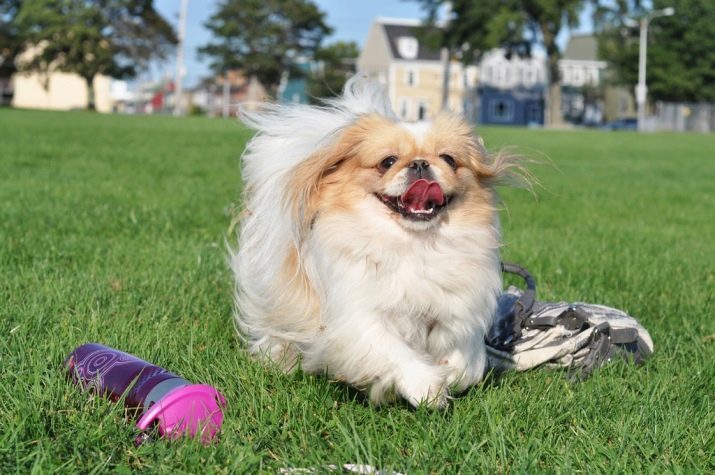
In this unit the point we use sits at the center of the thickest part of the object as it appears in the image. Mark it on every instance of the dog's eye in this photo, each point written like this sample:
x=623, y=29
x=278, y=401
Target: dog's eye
x=387, y=162
x=449, y=160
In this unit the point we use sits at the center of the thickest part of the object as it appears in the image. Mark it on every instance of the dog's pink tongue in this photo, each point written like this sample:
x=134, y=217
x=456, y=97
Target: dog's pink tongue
x=421, y=193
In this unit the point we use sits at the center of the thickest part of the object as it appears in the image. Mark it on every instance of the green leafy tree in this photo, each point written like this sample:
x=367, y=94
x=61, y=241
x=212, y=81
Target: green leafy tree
x=263, y=37
x=336, y=64
x=475, y=27
x=10, y=37
x=90, y=37
x=681, y=48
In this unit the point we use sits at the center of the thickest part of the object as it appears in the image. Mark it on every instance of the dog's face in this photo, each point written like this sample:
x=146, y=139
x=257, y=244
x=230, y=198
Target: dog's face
x=413, y=172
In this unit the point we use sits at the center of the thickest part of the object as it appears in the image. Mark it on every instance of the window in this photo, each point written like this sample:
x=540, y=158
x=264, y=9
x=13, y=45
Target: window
x=533, y=113
x=422, y=111
x=577, y=75
x=407, y=47
x=411, y=77
x=501, y=110
x=404, y=108
x=529, y=76
x=500, y=75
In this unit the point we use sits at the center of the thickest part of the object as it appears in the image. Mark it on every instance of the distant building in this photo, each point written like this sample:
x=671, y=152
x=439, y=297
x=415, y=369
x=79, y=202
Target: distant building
x=294, y=88
x=59, y=91
x=586, y=95
x=619, y=103
x=414, y=73
x=582, y=85
x=579, y=66
x=215, y=100
x=511, y=90
x=124, y=99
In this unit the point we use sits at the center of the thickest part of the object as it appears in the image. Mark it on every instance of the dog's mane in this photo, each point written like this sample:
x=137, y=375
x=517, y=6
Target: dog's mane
x=287, y=135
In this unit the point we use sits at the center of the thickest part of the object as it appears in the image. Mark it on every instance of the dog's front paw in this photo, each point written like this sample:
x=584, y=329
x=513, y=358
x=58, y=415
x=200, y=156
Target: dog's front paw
x=464, y=369
x=425, y=385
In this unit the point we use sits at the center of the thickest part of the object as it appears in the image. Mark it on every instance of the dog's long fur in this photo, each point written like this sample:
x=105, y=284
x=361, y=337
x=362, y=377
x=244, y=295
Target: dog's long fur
x=330, y=278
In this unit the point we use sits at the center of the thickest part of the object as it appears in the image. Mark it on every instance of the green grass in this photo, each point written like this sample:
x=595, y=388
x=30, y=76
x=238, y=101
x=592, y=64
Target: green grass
x=112, y=230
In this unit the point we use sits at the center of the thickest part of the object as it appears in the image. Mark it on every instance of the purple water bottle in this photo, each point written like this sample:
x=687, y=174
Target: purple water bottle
x=161, y=398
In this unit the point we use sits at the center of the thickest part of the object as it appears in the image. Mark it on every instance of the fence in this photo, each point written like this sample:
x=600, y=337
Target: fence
x=683, y=117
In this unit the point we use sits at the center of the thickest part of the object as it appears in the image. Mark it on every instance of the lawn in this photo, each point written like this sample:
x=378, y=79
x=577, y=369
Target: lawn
x=113, y=229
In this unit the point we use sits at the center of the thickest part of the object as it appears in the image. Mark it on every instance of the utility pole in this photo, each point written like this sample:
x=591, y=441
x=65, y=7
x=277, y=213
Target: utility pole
x=641, y=88
x=179, y=75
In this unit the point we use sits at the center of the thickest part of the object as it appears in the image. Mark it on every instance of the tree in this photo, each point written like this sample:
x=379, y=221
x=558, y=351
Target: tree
x=263, y=37
x=475, y=27
x=10, y=38
x=681, y=48
x=91, y=37
x=336, y=65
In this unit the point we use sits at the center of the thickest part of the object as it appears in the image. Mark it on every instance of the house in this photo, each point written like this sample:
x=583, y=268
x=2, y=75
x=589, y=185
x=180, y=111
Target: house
x=59, y=91
x=414, y=73
x=222, y=94
x=619, y=103
x=586, y=95
x=511, y=89
x=294, y=88
x=582, y=85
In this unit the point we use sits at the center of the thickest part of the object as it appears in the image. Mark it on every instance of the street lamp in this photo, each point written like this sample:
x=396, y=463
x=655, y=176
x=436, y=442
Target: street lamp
x=641, y=88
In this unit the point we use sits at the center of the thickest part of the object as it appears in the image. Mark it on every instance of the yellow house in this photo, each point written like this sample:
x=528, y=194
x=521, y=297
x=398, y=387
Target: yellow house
x=414, y=73
x=64, y=91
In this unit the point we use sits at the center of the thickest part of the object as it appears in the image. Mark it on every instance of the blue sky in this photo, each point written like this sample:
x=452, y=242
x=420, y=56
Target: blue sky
x=351, y=20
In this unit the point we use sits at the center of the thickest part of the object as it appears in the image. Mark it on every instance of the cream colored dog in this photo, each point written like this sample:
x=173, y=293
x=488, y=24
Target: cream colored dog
x=369, y=247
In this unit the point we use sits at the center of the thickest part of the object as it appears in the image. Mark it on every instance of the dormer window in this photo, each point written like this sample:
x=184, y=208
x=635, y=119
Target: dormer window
x=407, y=46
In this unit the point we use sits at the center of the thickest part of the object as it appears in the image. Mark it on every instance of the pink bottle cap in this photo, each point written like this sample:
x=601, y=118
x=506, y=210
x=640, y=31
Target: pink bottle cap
x=188, y=410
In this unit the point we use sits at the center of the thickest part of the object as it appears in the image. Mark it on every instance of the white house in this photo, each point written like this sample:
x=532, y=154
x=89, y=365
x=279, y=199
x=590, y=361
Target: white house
x=581, y=80
x=579, y=66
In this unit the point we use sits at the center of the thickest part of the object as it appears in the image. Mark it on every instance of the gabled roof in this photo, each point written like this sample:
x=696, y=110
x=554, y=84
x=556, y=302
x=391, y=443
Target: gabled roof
x=395, y=29
x=582, y=48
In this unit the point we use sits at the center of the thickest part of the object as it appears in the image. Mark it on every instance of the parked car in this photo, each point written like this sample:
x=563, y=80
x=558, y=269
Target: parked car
x=629, y=123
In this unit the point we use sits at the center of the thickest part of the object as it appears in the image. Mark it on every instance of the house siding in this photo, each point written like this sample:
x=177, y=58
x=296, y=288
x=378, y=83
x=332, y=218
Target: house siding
x=64, y=91
x=511, y=107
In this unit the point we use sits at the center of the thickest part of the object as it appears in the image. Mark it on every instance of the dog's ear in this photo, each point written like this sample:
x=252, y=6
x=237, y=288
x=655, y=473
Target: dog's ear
x=304, y=183
x=502, y=167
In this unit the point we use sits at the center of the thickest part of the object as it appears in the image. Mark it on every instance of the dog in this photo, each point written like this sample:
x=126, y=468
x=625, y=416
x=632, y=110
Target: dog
x=368, y=248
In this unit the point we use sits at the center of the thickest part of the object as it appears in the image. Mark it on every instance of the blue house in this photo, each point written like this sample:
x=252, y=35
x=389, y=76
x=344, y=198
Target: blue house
x=511, y=106
x=294, y=89
x=511, y=91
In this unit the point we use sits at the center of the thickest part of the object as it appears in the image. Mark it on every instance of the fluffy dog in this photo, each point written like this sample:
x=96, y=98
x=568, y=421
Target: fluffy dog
x=369, y=248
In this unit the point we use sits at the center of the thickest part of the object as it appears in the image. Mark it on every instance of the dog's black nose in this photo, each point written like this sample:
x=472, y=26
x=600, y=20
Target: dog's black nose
x=419, y=165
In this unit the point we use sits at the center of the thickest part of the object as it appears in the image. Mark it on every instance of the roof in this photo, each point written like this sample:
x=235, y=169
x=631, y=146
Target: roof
x=582, y=48
x=397, y=30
